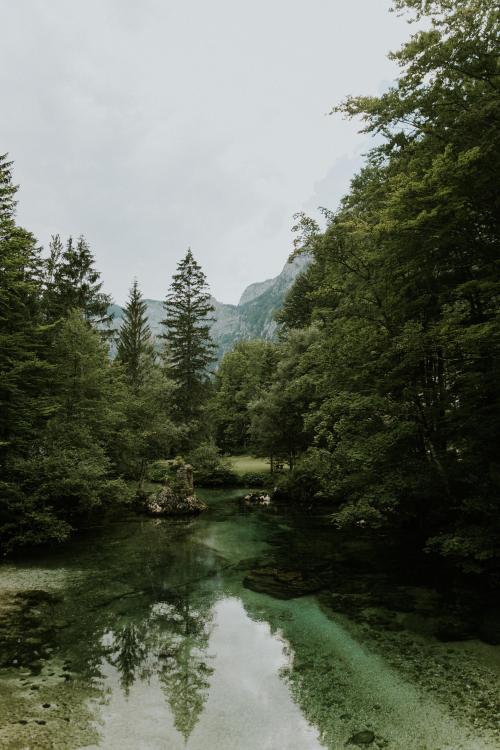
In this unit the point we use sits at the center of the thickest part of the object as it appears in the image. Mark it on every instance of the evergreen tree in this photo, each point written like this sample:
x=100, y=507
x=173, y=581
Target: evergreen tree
x=7, y=189
x=73, y=282
x=189, y=348
x=135, y=349
x=23, y=372
x=242, y=376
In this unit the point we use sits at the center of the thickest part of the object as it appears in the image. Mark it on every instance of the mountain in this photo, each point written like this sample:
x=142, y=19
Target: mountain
x=252, y=317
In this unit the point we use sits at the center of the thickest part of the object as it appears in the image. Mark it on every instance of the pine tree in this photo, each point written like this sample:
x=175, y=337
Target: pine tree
x=189, y=348
x=73, y=282
x=135, y=350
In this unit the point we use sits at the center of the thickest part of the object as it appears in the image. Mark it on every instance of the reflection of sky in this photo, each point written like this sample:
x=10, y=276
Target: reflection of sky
x=249, y=705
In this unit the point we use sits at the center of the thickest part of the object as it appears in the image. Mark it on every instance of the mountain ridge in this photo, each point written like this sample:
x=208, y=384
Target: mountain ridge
x=252, y=317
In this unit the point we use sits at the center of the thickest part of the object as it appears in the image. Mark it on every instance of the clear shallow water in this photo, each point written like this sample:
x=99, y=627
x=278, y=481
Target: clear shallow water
x=143, y=636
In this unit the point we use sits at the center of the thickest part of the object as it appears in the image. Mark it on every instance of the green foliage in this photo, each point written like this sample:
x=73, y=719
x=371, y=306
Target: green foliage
x=23, y=373
x=242, y=376
x=188, y=346
x=73, y=283
x=210, y=470
x=277, y=427
x=150, y=431
x=253, y=479
x=157, y=471
x=298, y=304
x=72, y=471
x=385, y=400
x=135, y=348
x=67, y=472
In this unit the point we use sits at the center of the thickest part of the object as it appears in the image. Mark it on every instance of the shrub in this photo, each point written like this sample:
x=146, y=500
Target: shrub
x=210, y=470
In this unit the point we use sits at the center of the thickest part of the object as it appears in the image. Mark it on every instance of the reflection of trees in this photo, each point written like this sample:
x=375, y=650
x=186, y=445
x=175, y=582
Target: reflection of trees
x=170, y=639
x=143, y=604
x=129, y=653
x=185, y=671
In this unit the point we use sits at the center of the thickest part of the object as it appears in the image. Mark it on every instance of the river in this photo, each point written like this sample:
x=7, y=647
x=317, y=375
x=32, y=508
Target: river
x=148, y=634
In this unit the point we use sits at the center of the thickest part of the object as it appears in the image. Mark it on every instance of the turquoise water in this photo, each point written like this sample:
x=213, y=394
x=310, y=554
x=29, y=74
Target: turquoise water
x=143, y=635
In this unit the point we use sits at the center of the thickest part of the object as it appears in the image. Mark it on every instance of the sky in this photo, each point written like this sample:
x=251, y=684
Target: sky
x=154, y=125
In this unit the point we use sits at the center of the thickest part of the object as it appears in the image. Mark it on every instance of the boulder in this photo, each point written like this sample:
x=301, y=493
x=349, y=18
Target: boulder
x=176, y=497
x=257, y=498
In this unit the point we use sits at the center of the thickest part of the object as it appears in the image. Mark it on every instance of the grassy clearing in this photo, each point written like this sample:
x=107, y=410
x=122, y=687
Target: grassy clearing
x=249, y=465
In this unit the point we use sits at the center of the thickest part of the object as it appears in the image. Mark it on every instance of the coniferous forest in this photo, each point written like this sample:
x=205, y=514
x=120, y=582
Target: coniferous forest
x=376, y=407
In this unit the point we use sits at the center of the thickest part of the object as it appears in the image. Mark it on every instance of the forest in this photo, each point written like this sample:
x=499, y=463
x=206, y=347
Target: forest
x=379, y=400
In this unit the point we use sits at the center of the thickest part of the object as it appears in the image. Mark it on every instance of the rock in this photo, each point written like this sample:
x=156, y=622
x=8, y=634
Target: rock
x=284, y=583
x=362, y=739
x=257, y=498
x=167, y=503
x=185, y=480
x=176, y=497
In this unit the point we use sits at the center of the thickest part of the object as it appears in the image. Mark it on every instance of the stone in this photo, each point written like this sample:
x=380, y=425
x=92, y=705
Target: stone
x=362, y=739
x=167, y=503
x=176, y=497
x=283, y=583
x=257, y=498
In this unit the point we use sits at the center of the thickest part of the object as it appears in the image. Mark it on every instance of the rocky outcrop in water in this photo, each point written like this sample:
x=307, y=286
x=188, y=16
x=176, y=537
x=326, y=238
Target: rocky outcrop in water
x=176, y=497
x=257, y=498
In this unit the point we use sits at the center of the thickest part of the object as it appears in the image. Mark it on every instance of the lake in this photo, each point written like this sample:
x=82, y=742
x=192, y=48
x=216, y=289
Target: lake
x=221, y=633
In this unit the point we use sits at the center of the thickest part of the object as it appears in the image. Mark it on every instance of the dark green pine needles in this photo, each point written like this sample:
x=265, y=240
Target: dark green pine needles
x=188, y=346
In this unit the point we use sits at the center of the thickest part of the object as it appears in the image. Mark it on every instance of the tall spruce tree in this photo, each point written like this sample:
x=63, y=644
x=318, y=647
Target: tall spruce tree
x=189, y=348
x=135, y=349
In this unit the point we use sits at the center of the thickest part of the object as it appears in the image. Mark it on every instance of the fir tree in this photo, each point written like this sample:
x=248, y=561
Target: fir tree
x=73, y=282
x=189, y=348
x=135, y=350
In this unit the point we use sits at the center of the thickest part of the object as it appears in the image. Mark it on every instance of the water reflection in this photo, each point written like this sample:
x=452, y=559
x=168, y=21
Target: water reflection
x=171, y=645
x=150, y=640
x=220, y=680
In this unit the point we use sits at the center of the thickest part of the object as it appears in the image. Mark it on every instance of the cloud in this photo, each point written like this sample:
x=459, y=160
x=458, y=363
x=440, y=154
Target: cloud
x=156, y=125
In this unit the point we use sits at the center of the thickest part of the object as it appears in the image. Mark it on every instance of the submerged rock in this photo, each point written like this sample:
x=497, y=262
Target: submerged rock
x=176, y=497
x=284, y=583
x=362, y=739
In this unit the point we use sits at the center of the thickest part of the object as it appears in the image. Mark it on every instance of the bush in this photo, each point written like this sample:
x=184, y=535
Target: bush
x=157, y=471
x=252, y=479
x=210, y=470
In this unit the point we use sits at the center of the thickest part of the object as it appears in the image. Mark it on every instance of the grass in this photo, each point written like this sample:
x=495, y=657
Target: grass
x=249, y=465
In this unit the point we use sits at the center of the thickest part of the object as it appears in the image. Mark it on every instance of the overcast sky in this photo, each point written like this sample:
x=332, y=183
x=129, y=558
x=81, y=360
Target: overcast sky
x=151, y=125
